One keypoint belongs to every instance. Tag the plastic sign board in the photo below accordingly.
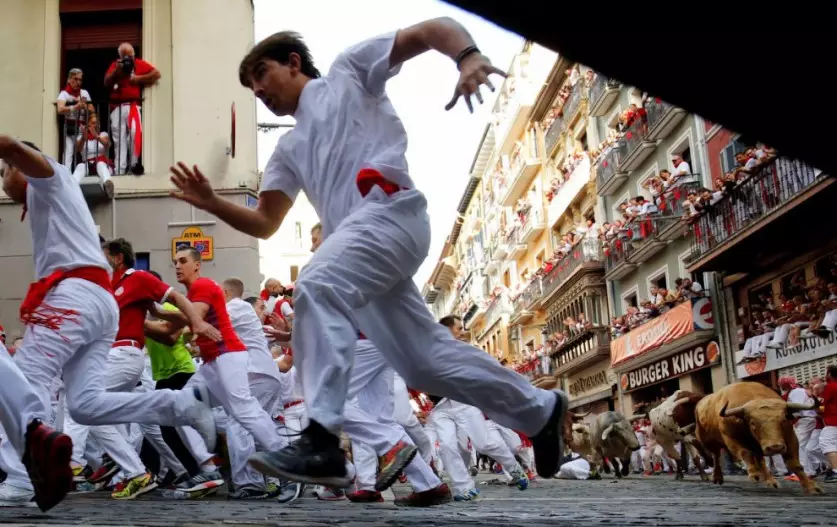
(194, 237)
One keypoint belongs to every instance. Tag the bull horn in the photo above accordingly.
(580, 416)
(678, 402)
(738, 411)
(688, 429)
(799, 406)
(607, 432)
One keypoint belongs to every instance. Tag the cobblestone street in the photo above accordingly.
(637, 501)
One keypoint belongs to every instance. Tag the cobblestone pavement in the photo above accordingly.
(636, 501)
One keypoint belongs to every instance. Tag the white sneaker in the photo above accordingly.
(200, 414)
(11, 496)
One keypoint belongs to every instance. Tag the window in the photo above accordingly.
(142, 261)
(630, 298)
(583, 141)
(729, 152)
(539, 259)
(294, 272)
(298, 233)
(643, 191)
(507, 279)
(658, 278)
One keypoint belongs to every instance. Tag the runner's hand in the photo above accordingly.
(206, 330)
(277, 322)
(282, 338)
(473, 72)
(192, 186)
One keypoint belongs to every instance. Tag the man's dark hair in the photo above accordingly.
(317, 227)
(31, 145)
(449, 320)
(252, 300)
(278, 47)
(156, 275)
(194, 254)
(123, 247)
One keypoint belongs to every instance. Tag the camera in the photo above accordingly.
(127, 65)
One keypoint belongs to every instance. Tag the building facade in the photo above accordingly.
(195, 113)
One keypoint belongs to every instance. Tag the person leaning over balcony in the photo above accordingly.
(73, 104)
(93, 147)
(125, 78)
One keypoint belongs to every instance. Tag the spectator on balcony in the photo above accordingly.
(93, 147)
(665, 299)
(689, 289)
(630, 116)
(73, 104)
(126, 77)
(682, 171)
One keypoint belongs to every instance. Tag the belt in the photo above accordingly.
(293, 403)
(126, 342)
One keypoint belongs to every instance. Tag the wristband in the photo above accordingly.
(464, 53)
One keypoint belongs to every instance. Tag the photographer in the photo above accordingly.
(73, 104)
(125, 78)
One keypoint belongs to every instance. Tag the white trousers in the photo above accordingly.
(152, 432)
(575, 469)
(405, 417)
(240, 444)
(123, 138)
(361, 279)
(10, 462)
(804, 429)
(370, 421)
(102, 170)
(123, 371)
(79, 351)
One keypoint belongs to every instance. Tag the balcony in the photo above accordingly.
(663, 118)
(527, 302)
(568, 191)
(617, 258)
(553, 135)
(585, 256)
(515, 244)
(603, 93)
(510, 122)
(525, 164)
(637, 146)
(489, 259)
(478, 292)
(609, 174)
(646, 240)
(578, 94)
(582, 350)
(501, 249)
(735, 234)
(672, 209)
(533, 224)
(499, 307)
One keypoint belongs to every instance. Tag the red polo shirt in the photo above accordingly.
(829, 396)
(124, 91)
(210, 293)
(135, 291)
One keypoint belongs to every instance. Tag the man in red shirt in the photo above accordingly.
(828, 436)
(224, 368)
(135, 293)
(126, 78)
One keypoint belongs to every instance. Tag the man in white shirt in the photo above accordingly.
(804, 425)
(71, 318)
(682, 170)
(72, 105)
(347, 152)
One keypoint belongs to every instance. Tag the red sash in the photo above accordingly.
(134, 117)
(33, 310)
(369, 177)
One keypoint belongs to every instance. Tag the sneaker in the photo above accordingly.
(135, 487)
(83, 487)
(519, 478)
(11, 496)
(290, 492)
(47, 459)
(365, 496)
(81, 473)
(393, 462)
(548, 444)
(201, 416)
(471, 495)
(474, 471)
(105, 472)
(331, 494)
(273, 489)
(792, 477)
(202, 481)
(402, 478)
(305, 462)
(248, 493)
(438, 496)
(831, 477)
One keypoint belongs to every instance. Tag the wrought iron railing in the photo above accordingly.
(587, 250)
(773, 185)
(581, 344)
(499, 306)
(656, 109)
(609, 163)
(600, 84)
(635, 135)
(553, 134)
(530, 295)
(574, 100)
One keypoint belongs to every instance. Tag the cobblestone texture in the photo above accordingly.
(635, 501)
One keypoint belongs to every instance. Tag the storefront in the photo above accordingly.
(592, 389)
(675, 351)
(804, 359)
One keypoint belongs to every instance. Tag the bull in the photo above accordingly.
(613, 437)
(572, 428)
(751, 421)
(673, 421)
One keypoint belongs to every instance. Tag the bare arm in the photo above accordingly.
(147, 79)
(160, 331)
(194, 317)
(29, 161)
(445, 35)
(285, 363)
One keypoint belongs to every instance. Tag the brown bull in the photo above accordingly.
(751, 421)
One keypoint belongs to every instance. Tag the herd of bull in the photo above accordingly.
(747, 419)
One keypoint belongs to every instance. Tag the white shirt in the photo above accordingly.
(286, 309)
(800, 396)
(344, 122)
(683, 169)
(249, 328)
(63, 233)
(66, 97)
(93, 148)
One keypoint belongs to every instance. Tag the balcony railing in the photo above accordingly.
(588, 250)
(608, 165)
(574, 100)
(529, 296)
(674, 197)
(774, 185)
(499, 306)
(656, 109)
(575, 351)
(635, 135)
(553, 134)
(662, 118)
(603, 87)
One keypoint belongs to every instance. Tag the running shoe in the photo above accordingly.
(365, 496)
(202, 481)
(11, 496)
(47, 460)
(134, 487)
(305, 462)
(248, 493)
(438, 496)
(393, 463)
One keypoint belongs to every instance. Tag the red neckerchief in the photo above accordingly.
(75, 92)
(91, 136)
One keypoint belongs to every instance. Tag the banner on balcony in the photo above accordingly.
(796, 351)
(677, 322)
(671, 367)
